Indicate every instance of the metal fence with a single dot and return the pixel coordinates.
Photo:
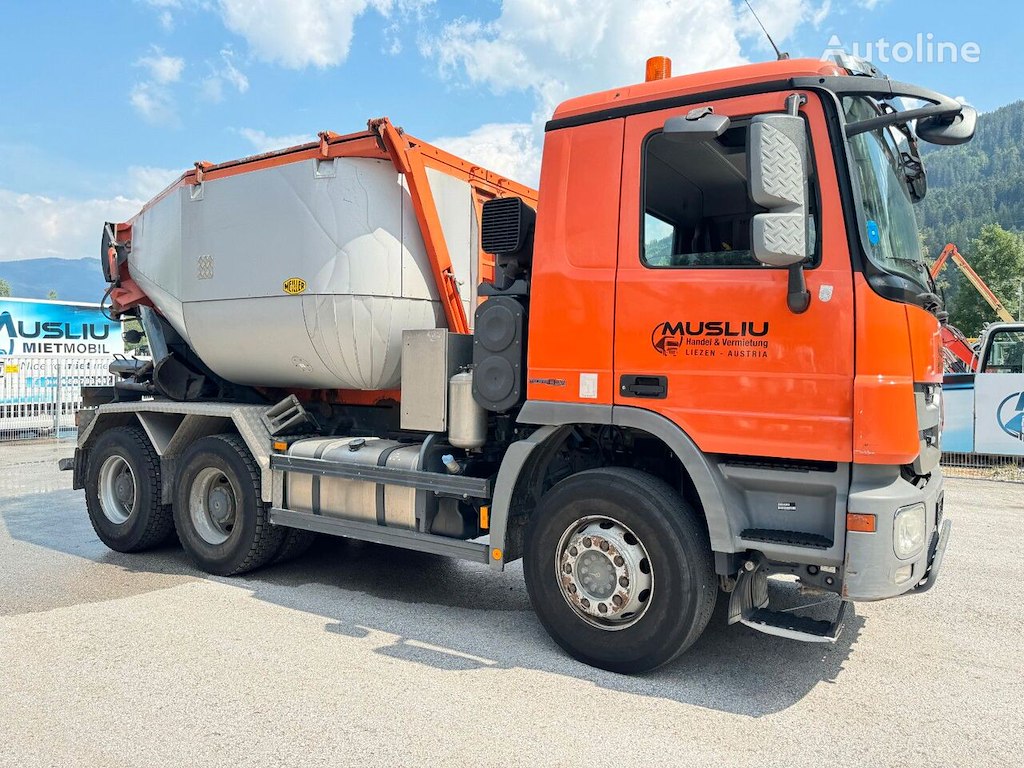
(39, 394)
(981, 465)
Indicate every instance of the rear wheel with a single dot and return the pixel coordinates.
(296, 543)
(221, 519)
(619, 569)
(123, 490)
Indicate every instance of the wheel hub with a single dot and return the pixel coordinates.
(116, 486)
(212, 505)
(222, 507)
(124, 488)
(605, 573)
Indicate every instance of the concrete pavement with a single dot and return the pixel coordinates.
(363, 655)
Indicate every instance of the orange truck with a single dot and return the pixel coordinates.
(706, 353)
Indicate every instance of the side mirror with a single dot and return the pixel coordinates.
(910, 161)
(777, 173)
(777, 168)
(701, 124)
(948, 130)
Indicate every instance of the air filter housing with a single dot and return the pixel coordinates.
(506, 232)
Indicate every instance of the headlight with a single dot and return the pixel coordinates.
(908, 532)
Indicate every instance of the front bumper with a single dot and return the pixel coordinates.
(872, 571)
(936, 552)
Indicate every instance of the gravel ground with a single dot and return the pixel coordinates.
(363, 655)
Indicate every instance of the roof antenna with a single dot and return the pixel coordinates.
(781, 56)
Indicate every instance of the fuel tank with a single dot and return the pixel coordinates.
(390, 505)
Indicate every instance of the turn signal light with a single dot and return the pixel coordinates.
(280, 445)
(659, 68)
(856, 521)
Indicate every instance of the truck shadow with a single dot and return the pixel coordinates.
(489, 624)
(454, 616)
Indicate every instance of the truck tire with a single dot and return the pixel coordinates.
(222, 521)
(295, 543)
(122, 491)
(619, 569)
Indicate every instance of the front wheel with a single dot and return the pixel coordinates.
(619, 569)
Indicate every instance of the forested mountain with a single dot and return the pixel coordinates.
(975, 184)
(63, 279)
(976, 200)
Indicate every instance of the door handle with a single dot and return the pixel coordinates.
(649, 387)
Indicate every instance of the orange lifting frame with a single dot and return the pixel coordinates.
(409, 162)
(411, 158)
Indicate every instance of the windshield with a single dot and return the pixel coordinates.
(889, 228)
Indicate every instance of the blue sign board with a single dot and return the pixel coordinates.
(56, 328)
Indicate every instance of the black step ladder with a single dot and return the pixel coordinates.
(748, 605)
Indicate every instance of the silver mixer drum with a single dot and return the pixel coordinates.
(304, 274)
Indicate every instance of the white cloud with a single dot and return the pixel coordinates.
(261, 142)
(304, 33)
(558, 48)
(295, 33)
(166, 9)
(554, 49)
(145, 181)
(33, 226)
(154, 103)
(162, 69)
(781, 18)
(226, 73)
(506, 148)
(152, 97)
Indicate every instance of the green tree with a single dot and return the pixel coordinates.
(998, 257)
(51, 295)
(142, 347)
(5, 287)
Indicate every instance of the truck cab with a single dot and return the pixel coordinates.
(815, 424)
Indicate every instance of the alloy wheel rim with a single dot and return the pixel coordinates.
(604, 572)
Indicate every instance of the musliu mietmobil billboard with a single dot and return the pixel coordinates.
(57, 328)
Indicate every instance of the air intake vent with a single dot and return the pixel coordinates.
(505, 225)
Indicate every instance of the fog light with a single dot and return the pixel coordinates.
(908, 531)
(903, 573)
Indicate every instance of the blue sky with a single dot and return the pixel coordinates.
(102, 102)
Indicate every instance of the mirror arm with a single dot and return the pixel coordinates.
(793, 103)
(798, 298)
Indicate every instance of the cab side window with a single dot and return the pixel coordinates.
(1006, 353)
(697, 207)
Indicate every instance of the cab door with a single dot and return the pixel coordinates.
(999, 393)
(703, 333)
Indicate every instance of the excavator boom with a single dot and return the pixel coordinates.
(951, 252)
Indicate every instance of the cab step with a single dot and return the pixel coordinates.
(792, 538)
(782, 624)
(748, 605)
